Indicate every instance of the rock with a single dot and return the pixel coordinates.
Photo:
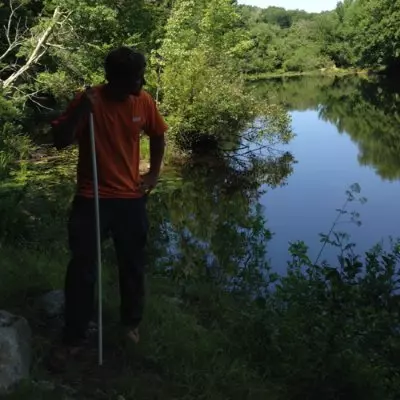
(51, 306)
(52, 303)
(15, 350)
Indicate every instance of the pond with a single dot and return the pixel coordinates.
(347, 131)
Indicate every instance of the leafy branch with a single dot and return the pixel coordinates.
(352, 195)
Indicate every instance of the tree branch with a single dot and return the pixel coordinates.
(16, 40)
(38, 51)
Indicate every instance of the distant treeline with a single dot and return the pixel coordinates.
(362, 34)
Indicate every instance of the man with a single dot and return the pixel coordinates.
(121, 111)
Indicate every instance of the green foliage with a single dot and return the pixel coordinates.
(220, 323)
(375, 33)
(14, 145)
(193, 49)
(202, 93)
(284, 41)
(331, 320)
(356, 34)
(76, 54)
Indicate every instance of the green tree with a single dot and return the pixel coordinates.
(288, 41)
(265, 54)
(334, 34)
(202, 93)
(374, 31)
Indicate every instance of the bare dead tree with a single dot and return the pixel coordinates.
(14, 33)
(16, 36)
(38, 51)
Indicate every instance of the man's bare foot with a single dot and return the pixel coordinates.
(133, 334)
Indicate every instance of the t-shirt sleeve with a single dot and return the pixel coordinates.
(155, 124)
(70, 108)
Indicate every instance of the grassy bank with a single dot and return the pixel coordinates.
(184, 353)
(321, 72)
(202, 343)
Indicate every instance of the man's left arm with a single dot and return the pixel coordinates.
(155, 128)
(157, 150)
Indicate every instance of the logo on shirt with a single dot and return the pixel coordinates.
(136, 119)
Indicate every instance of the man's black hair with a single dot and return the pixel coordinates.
(123, 61)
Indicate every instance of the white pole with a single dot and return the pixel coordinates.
(98, 239)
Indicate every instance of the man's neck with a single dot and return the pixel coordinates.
(114, 94)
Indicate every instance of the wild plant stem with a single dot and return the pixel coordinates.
(340, 212)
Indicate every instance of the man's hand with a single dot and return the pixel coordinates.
(64, 132)
(89, 98)
(149, 182)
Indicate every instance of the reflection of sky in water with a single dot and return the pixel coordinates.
(327, 166)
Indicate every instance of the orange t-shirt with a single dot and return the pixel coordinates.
(117, 128)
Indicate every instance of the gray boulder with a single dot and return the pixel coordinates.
(15, 350)
(51, 305)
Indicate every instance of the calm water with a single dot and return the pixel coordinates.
(327, 165)
(347, 131)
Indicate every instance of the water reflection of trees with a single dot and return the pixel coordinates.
(366, 109)
(368, 112)
(295, 93)
(208, 214)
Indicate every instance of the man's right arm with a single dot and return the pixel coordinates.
(64, 128)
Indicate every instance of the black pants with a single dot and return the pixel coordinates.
(126, 221)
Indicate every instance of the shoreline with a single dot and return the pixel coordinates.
(323, 72)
